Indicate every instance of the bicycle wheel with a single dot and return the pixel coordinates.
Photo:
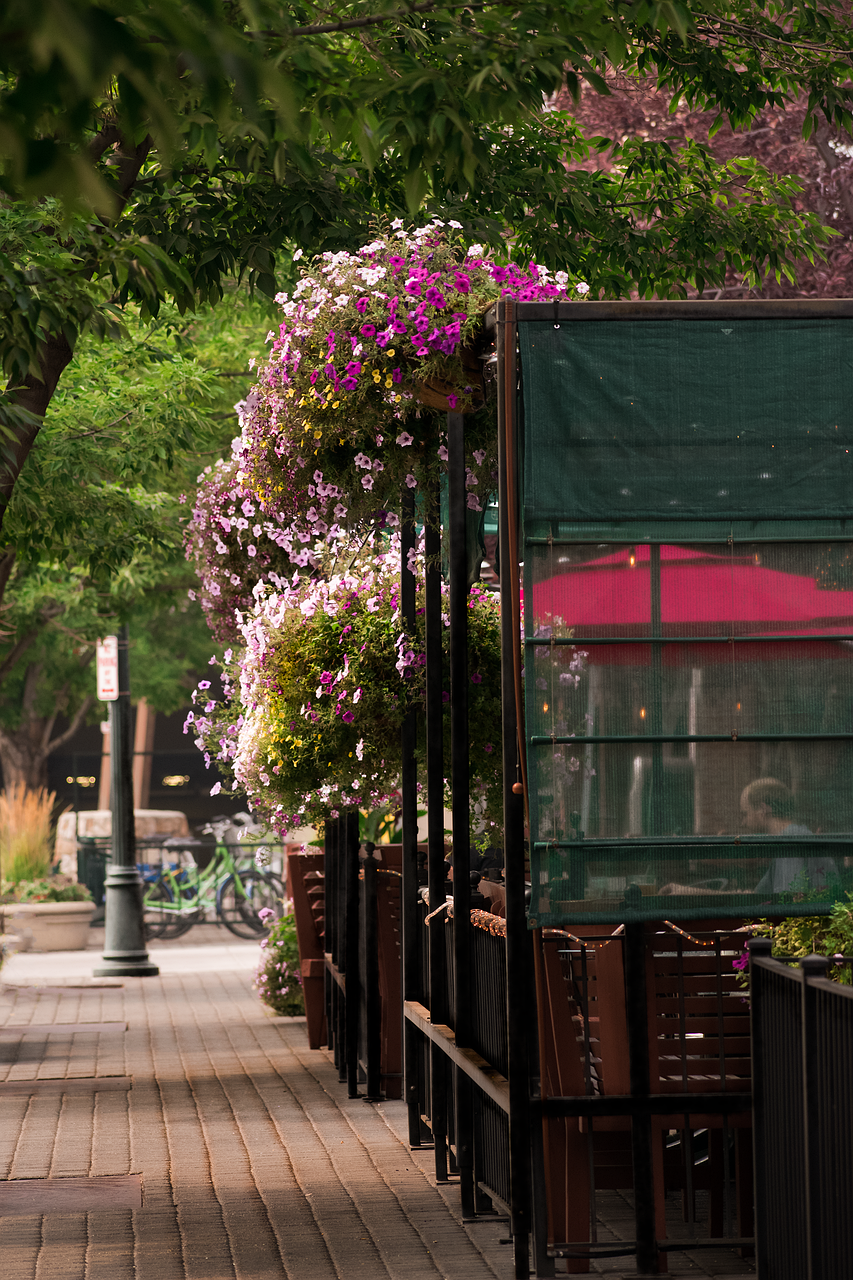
(242, 896)
(162, 916)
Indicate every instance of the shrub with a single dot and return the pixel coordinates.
(278, 978)
(56, 889)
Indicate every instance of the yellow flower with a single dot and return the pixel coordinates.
(336, 405)
(391, 351)
(388, 382)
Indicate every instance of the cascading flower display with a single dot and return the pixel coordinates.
(347, 412)
(347, 416)
(233, 546)
(317, 697)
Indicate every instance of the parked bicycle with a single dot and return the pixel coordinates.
(230, 887)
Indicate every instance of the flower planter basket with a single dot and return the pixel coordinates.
(434, 392)
(50, 926)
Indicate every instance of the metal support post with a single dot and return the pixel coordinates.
(519, 1013)
(461, 808)
(435, 820)
(641, 1120)
(812, 967)
(759, 948)
(409, 819)
(125, 953)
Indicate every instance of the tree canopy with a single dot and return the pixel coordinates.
(95, 527)
(152, 150)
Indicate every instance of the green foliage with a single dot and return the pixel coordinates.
(278, 978)
(56, 889)
(96, 520)
(828, 935)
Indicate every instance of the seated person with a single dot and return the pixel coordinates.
(767, 806)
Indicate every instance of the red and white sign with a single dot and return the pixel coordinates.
(106, 653)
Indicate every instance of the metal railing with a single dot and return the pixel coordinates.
(802, 1050)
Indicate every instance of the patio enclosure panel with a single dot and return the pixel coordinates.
(688, 570)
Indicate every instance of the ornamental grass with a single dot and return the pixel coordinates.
(26, 832)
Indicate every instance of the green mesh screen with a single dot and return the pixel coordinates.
(689, 703)
(758, 413)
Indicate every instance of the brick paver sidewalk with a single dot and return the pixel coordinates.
(253, 1162)
(167, 1129)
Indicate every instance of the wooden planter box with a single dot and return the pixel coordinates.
(50, 926)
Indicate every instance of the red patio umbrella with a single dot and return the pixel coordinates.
(701, 594)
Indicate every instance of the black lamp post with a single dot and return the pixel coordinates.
(125, 954)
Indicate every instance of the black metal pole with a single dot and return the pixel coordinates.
(125, 953)
(813, 967)
(330, 835)
(409, 820)
(435, 819)
(520, 1017)
(461, 808)
(759, 948)
(641, 1121)
(368, 973)
(349, 854)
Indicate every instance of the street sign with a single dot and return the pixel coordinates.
(106, 652)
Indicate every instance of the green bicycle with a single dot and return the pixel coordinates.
(181, 896)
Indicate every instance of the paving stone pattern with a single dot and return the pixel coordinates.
(250, 1167)
(254, 1163)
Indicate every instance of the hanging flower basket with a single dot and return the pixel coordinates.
(443, 395)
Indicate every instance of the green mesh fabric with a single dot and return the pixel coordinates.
(689, 702)
(758, 414)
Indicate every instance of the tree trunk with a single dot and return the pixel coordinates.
(34, 395)
(25, 751)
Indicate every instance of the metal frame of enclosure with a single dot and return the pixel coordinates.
(474, 1051)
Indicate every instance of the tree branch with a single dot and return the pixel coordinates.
(99, 144)
(820, 141)
(76, 721)
(15, 652)
(396, 15)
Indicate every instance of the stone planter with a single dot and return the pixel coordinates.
(49, 926)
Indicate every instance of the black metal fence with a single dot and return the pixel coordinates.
(802, 1048)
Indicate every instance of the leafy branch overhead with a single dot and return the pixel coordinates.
(417, 80)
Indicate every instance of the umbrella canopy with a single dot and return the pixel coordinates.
(701, 594)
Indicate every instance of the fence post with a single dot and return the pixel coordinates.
(352, 1005)
(758, 948)
(812, 967)
(369, 967)
(642, 1135)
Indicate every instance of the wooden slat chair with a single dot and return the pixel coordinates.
(699, 1042)
(584, 1049)
(306, 882)
(698, 1025)
(579, 1157)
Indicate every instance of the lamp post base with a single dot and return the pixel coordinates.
(126, 967)
(125, 954)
